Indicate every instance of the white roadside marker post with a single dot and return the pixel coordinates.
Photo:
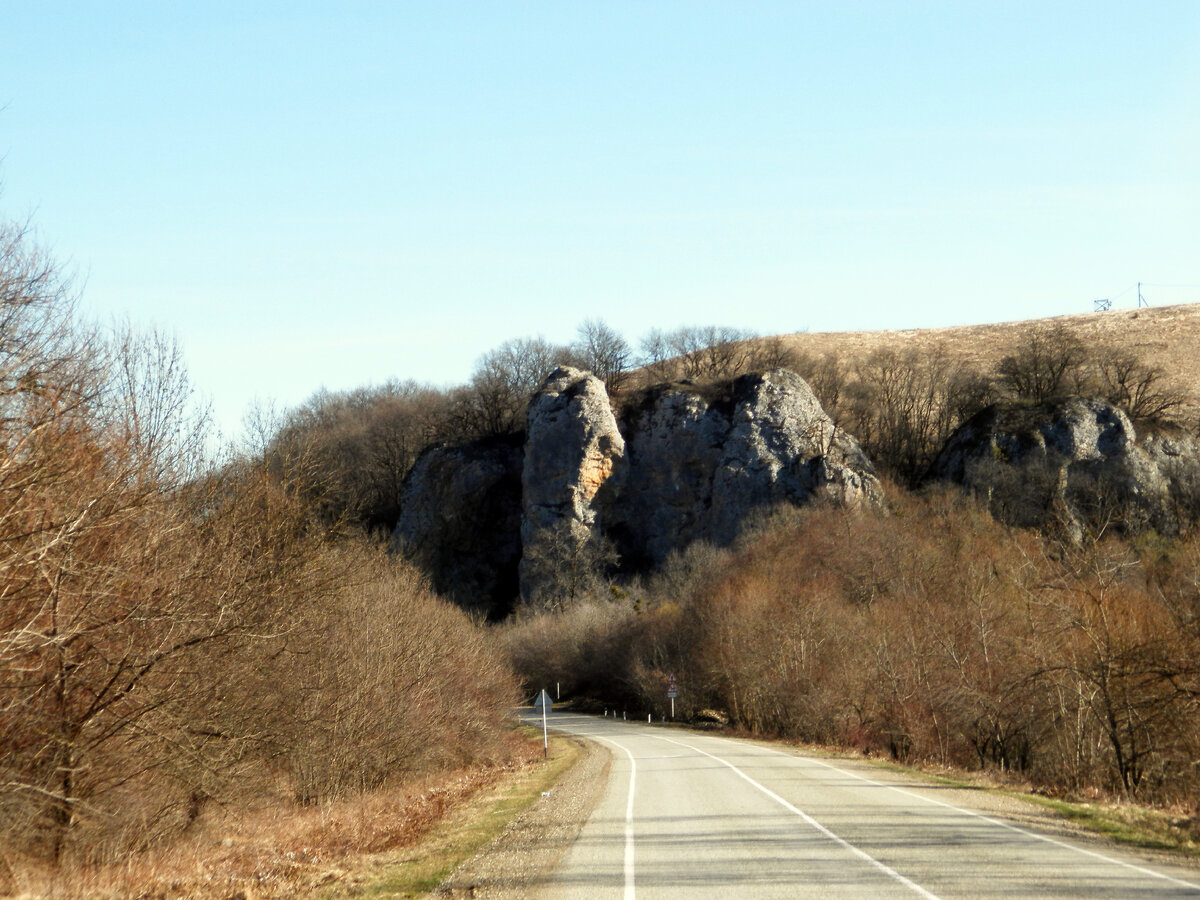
(545, 732)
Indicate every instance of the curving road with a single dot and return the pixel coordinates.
(693, 815)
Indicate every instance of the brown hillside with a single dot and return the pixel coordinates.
(1167, 336)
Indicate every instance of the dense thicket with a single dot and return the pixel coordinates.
(177, 635)
(927, 631)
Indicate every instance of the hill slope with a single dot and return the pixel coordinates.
(1167, 336)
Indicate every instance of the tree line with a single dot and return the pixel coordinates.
(179, 631)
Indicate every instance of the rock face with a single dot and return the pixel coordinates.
(573, 467)
(1074, 464)
(700, 462)
(585, 493)
(460, 519)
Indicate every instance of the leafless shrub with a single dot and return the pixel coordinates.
(385, 679)
(359, 446)
(581, 652)
(903, 406)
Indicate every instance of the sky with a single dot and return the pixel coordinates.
(316, 195)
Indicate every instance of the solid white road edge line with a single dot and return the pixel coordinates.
(887, 870)
(967, 812)
(630, 892)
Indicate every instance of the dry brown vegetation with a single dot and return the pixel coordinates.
(925, 632)
(181, 639)
(1165, 337)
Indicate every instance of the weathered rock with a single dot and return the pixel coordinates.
(460, 519)
(700, 462)
(1074, 464)
(686, 464)
(573, 456)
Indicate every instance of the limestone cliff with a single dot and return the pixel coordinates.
(700, 461)
(460, 519)
(1075, 465)
(572, 472)
(582, 494)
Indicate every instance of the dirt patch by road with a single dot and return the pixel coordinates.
(514, 864)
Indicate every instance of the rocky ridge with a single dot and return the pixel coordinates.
(701, 461)
(684, 463)
(586, 492)
(1075, 466)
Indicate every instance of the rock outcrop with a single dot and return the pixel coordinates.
(701, 461)
(1074, 465)
(583, 492)
(573, 457)
(460, 519)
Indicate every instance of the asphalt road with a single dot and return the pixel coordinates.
(693, 815)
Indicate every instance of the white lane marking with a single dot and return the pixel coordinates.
(887, 870)
(967, 812)
(630, 893)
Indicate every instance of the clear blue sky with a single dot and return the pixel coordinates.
(316, 194)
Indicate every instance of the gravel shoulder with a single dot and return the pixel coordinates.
(515, 863)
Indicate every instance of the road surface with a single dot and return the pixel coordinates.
(697, 816)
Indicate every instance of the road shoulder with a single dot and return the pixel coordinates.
(517, 861)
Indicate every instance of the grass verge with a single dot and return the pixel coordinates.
(422, 866)
(1136, 826)
(1144, 827)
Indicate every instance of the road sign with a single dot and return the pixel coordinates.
(672, 693)
(671, 678)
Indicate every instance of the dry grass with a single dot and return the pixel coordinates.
(417, 869)
(1167, 336)
(338, 849)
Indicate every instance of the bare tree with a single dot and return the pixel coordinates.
(712, 351)
(699, 353)
(1051, 362)
(903, 406)
(604, 353)
(656, 355)
(505, 378)
(565, 565)
(774, 353)
(1142, 390)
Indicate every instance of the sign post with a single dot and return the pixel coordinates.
(672, 693)
(543, 701)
